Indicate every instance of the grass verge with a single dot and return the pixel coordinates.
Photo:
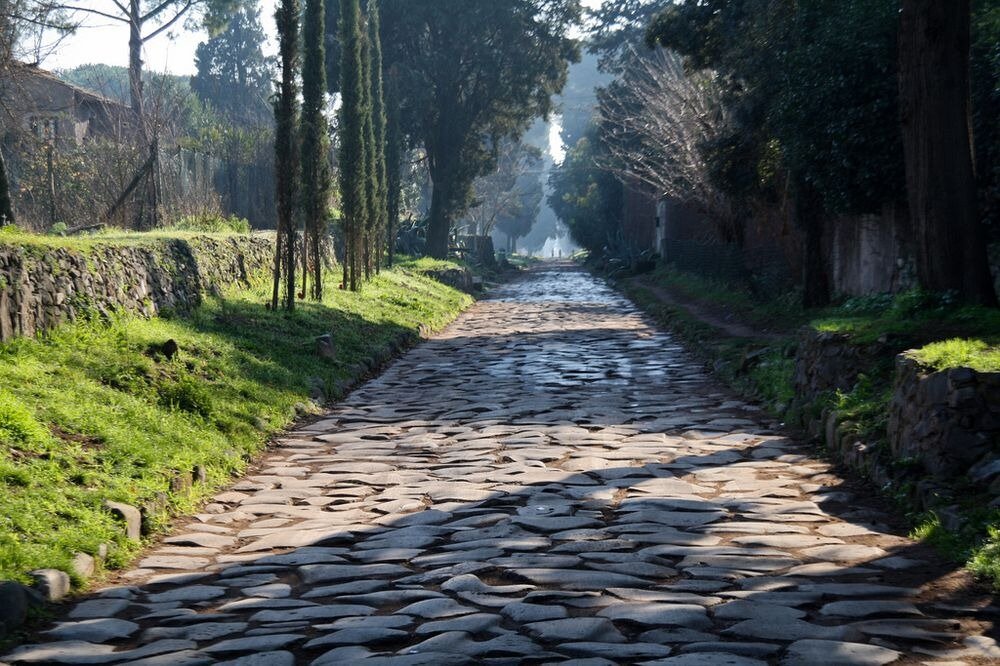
(95, 410)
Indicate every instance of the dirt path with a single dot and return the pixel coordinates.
(549, 480)
(714, 316)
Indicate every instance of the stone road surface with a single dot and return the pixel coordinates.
(549, 480)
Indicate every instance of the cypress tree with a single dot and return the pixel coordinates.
(352, 143)
(368, 170)
(393, 159)
(286, 150)
(378, 116)
(6, 208)
(315, 167)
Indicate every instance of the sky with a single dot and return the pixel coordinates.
(102, 40)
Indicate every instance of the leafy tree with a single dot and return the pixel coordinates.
(472, 72)
(940, 177)
(234, 76)
(588, 198)
(315, 144)
(286, 150)
(352, 140)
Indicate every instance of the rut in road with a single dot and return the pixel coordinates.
(550, 479)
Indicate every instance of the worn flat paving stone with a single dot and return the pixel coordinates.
(551, 479)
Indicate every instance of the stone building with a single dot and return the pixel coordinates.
(35, 102)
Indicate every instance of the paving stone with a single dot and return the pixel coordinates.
(93, 630)
(588, 629)
(836, 653)
(866, 608)
(82, 652)
(189, 594)
(205, 631)
(473, 624)
(757, 650)
(524, 612)
(357, 636)
(706, 659)
(751, 610)
(253, 644)
(616, 651)
(272, 658)
(311, 613)
(690, 616)
(98, 608)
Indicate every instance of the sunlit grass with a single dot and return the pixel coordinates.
(958, 352)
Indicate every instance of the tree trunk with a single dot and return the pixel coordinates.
(135, 60)
(937, 148)
(439, 224)
(6, 207)
(815, 280)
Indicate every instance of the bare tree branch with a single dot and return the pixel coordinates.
(656, 118)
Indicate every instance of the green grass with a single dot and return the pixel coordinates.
(958, 352)
(976, 544)
(784, 313)
(12, 235)
(92, 412)
(913, 315)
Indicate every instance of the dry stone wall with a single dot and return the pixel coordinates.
(42, 287)
(948, 421)
(827, 361)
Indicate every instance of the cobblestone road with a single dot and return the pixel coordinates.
(549, 480)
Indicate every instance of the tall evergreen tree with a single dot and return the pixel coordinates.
(368, 168)
(315, 141)
(234, 76)
(6, 209)
(352, 141)
(393, 161)
(378, 133)
(286, 150)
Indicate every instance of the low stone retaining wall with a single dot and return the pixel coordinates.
(832, 361)
(947, 420)
(42, 287)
